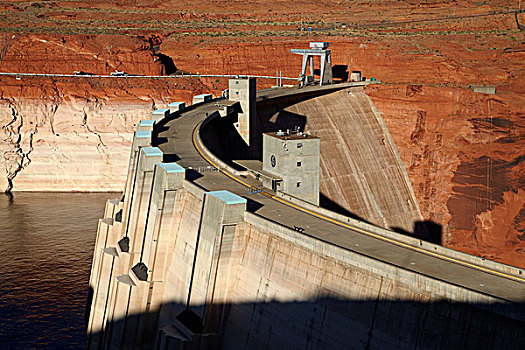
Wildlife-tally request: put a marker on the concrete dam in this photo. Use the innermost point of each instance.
(219, 240)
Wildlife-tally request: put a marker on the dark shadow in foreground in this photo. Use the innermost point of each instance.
(326, 322)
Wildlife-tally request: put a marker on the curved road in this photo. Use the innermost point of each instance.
(178, 138)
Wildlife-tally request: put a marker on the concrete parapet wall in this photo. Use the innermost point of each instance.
(414, 242)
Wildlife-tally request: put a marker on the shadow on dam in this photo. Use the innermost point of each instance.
(329, 322)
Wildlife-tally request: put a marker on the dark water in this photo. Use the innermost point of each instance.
(46, 246)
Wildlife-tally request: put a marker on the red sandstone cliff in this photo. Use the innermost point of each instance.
(463, 151)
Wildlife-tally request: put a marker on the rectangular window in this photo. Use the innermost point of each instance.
(298, 164)
(298, 183)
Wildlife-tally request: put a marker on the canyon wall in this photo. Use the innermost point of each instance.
(462, 150)
(58, 139)
(464, 155)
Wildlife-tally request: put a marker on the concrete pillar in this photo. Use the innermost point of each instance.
(303, 70)
(155, 254)
(222, 210)
(132, 319)
(95, 319)
(326, 69)
(140, 196)
(244, 91)
(141, 138)
(188, 214)
(168, 178)
(121, 257)
(102, 272)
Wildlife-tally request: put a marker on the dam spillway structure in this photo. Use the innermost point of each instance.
(199, 254)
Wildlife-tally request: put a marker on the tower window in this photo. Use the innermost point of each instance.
(298, 183)
(299, 145)
(298, 164)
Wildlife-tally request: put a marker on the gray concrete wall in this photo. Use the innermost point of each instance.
(309, 294)
(256, 284)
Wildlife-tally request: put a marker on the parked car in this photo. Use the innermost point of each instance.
(118, 73)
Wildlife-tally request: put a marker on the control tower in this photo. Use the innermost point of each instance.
(293, 157)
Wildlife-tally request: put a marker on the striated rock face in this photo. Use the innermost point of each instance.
(464, 153)
(56, 140)
(66, 145)
(65, 54)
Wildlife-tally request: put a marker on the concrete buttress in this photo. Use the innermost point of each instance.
(222, 210)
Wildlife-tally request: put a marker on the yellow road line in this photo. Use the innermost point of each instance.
(340, 223)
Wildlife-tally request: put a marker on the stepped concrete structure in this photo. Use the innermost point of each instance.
(198, 254)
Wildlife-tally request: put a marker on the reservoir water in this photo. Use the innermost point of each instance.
(46, 246)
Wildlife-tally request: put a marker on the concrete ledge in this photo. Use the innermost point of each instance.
(126, 279)
(177, 106)
(202, 98)
(146, 125)
(111, 251)
(228, 197)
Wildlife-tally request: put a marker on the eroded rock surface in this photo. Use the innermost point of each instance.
(463, 151)
(464, 154)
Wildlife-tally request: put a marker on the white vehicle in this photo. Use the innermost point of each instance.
(118, 73)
